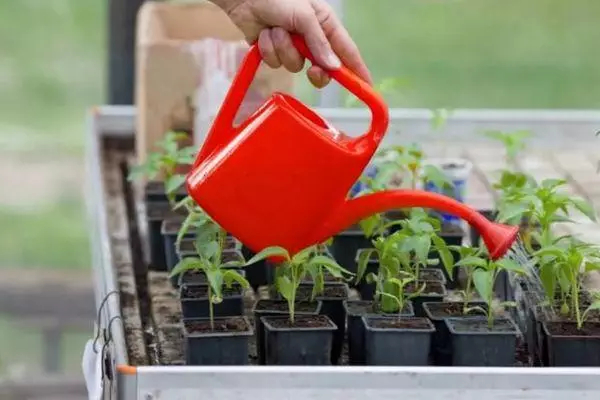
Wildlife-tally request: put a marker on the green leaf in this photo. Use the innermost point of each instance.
(444, 253)
(585, 208)
(422, 247)
(512, 212)
(436, 176)
(472, 261)
(510, 265)
(230, 276)
(173, 183)
(363, 259)
(214, 276)
(286, 287)
(330, 265)
(187, 264)
(273, 251)
(482, 280)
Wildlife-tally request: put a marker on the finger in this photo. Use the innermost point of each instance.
(267, 49)
(340, 41)
(307, 24)
(317, 77)
(286, 51)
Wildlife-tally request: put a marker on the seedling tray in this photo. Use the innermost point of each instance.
(137, 345)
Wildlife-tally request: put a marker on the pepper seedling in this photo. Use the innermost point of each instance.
(166, 160)
(562, 266)
(293, 271)
(470, 258)
(485, 273)
(218, 274)
(514, 143)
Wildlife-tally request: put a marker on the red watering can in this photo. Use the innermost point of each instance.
(281, 178)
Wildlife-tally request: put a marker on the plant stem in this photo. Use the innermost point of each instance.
(575, 294)
(490, 311)
(467, 298)
(211, 312)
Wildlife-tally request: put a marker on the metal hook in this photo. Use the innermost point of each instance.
(99, 320)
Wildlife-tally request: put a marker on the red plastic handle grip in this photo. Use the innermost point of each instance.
(222, 130)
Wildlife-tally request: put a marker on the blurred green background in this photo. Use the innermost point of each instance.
(448, 53)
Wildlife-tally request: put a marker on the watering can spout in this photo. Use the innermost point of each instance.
(498, 238)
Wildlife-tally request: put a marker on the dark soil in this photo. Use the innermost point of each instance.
(589, 329)
(282, 305)
(430, 275)
(201, 292)
(304, 293)
(434, 288)
(199, 277)
(400, 323)
(481, 326)
(448, 309)
(234, 324)
(367, 307)
(304, 321)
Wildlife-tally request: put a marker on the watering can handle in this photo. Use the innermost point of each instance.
(222, 131)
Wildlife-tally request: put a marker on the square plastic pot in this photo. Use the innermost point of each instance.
(438, 312)
(474, 345)
(305, 343)
(355, 311)
(195, 302)
(220, 347)
(346, 244)
(433, 292)
(155, 191)
(570, 347)
(156, 213)
(265, 308)
(397, 341)
(169, 230)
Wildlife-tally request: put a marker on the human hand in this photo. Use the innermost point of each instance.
(271, 21)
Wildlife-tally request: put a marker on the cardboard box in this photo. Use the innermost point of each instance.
(168, 71)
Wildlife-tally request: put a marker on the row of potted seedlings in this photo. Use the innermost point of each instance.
(404, 264)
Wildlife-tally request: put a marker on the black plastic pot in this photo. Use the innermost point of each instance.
(255, 273)
(307, 342)
(474, 345)
(156, 212)
(367, 290)
(570, 347)
(390, 340)
(433, 292)
(155, 191)
(169, 230)
(346, 244)
(438, 312)
(265, 308)
(195, 302)
(355, 311)
(332, 300)
(226, 345)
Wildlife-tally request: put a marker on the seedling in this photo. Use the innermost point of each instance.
(392, 290)
(470, 258)
(514, 143)
(294, 269)
(541, 204)
(562, 266)
(166, 161)
(484, 278)
(218, 274)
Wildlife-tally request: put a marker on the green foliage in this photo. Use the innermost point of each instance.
(401, 256)
(166, 160)
(562, 267)
(484, 274)
(514, 142)
(294, 269)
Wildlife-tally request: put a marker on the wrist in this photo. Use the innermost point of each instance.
(227, 5)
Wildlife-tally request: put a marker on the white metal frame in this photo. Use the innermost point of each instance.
(348, 383)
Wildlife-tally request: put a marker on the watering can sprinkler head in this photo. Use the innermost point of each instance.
(498, 238)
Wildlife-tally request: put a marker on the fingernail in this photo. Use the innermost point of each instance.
(333, 61)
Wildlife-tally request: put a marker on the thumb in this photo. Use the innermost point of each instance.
(308, 25)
